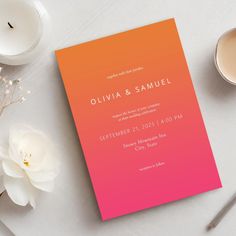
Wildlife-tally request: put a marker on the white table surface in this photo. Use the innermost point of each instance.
(71, 209)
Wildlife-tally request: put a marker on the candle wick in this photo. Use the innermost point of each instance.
(10, 25)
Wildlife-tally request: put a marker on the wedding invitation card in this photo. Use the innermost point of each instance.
(138, 119)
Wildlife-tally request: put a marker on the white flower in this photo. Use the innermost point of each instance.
(28, 165)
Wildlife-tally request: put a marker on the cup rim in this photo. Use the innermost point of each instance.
(215, 57)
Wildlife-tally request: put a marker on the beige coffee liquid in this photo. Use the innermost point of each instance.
(226, 55)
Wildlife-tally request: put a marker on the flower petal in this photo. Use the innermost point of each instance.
(25, 142)
(42, 176)
(44, 186)
(17, 189)
(16, 133)
(13, 154)
(15, 136)
(51, 161)
(33, 202)
(3, 153)
(36, 144)
(33, 196)
(10, 168)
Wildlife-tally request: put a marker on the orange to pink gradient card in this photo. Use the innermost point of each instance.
(138, 119)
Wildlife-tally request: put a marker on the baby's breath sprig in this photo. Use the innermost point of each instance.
(11, 92)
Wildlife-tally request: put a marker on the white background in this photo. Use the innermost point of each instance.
(71, 209)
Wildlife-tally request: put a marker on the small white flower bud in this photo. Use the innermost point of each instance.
(22, 99)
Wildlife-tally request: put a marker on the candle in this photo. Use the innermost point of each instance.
(225, 56)
(23, 30)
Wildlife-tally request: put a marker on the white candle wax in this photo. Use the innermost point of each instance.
(22, 28)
